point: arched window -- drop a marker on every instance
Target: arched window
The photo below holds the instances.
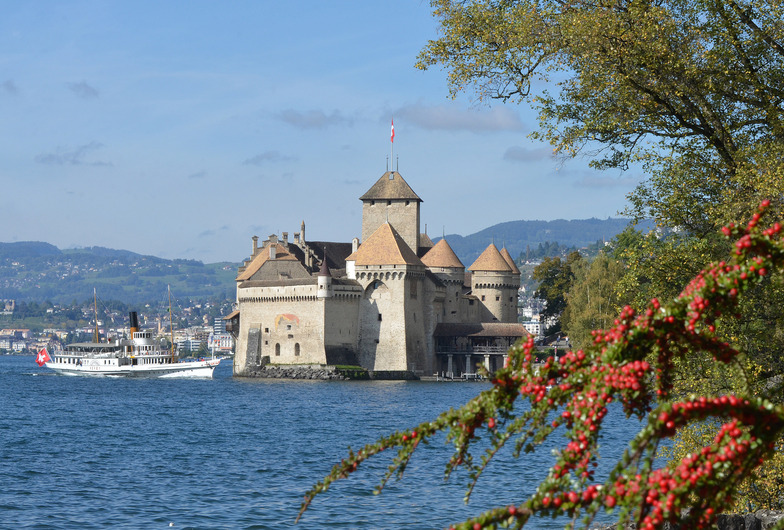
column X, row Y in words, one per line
column 296, row 349
column 277, row 349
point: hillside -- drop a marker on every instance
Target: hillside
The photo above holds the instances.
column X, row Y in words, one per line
column 516, row 236
column 40, row 272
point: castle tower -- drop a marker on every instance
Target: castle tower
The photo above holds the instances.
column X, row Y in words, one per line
column 495, row 284
column 392, row 319
column 324, row 281
column 444, row 263
column 512, row 299
column 391, row 200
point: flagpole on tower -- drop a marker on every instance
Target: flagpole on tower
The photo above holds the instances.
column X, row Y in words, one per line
column 392, row 140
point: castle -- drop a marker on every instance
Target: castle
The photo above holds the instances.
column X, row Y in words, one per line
column 392, row 302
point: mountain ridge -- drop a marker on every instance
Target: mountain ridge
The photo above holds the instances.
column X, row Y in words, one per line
column 38, row 271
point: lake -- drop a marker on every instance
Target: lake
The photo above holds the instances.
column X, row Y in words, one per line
column 233, row 453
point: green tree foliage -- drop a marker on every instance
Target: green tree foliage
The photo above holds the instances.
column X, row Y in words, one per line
column 555, row 277
column 593, row 301
column 635, row 362
column 691, row 90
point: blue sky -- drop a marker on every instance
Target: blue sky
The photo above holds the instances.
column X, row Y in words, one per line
column 182, row 129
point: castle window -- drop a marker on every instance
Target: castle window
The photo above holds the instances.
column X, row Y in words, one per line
column 408, row 202
column 266, row 330
column 389, row 203
column 296, row 349
column 277, row 349
column 483, row 298
column 372, row 203
column 379, row 317
column 497, row 298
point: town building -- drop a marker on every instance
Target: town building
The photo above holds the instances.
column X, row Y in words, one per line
column 392, row 302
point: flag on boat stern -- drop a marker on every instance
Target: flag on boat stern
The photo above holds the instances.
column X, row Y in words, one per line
column 43, row 357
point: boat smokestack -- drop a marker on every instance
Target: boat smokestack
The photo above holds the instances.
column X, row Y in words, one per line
column 134, row 322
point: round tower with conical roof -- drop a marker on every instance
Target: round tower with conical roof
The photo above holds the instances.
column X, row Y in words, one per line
column 324, row 280
column 495, row 283
column 442, row 261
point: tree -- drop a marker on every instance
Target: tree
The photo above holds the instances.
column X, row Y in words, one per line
column 593, row 301
column 691, row 89
column 634, row 362
column 555, row 278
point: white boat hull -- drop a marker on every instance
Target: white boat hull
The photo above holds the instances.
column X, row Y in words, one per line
column 184, row 369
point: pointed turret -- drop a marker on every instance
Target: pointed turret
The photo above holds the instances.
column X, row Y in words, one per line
column 510, row 261
column 324, row 280
column 495, row 281
column 490, row 260
column 442, row 256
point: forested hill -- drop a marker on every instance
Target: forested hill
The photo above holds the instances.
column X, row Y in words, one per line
column 38, row 272
column 517, row 236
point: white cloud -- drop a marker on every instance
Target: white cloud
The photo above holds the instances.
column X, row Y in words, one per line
column 74, row 157
column 313, row 119
column 522, row 154
column 594, row 180
column 83, row 90
column 9, row 87
column 443, row 117
column 268, row 156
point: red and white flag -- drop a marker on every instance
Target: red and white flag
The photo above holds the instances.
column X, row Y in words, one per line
column 43, row 357
column 393, row 131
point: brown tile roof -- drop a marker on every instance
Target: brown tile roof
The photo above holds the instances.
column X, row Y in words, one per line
column 442, row 255
column 509, row 261
column 490, row 260
column 261, row 257
column 480, row 329
column 390, row 186
column 385, row 247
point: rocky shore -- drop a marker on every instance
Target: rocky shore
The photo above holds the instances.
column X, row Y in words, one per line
column 326, row 373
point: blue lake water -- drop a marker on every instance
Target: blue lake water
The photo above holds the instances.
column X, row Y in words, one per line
column 229, row 453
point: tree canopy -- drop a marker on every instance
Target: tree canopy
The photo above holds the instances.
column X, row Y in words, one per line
column 691, row 89
column 555, row 277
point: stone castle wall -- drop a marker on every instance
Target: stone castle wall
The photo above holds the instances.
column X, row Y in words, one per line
column 403, row 215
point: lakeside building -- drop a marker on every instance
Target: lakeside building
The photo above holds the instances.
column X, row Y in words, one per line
column 391, row 302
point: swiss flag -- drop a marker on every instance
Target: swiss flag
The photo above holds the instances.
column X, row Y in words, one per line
column 43, row 357
column 393, row 131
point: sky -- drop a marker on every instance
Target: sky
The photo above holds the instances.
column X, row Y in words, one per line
column 181, row 129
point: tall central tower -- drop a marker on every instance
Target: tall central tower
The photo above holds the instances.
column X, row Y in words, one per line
column 391, row 200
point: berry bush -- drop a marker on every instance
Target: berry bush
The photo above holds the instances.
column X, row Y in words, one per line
column 633, row 364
